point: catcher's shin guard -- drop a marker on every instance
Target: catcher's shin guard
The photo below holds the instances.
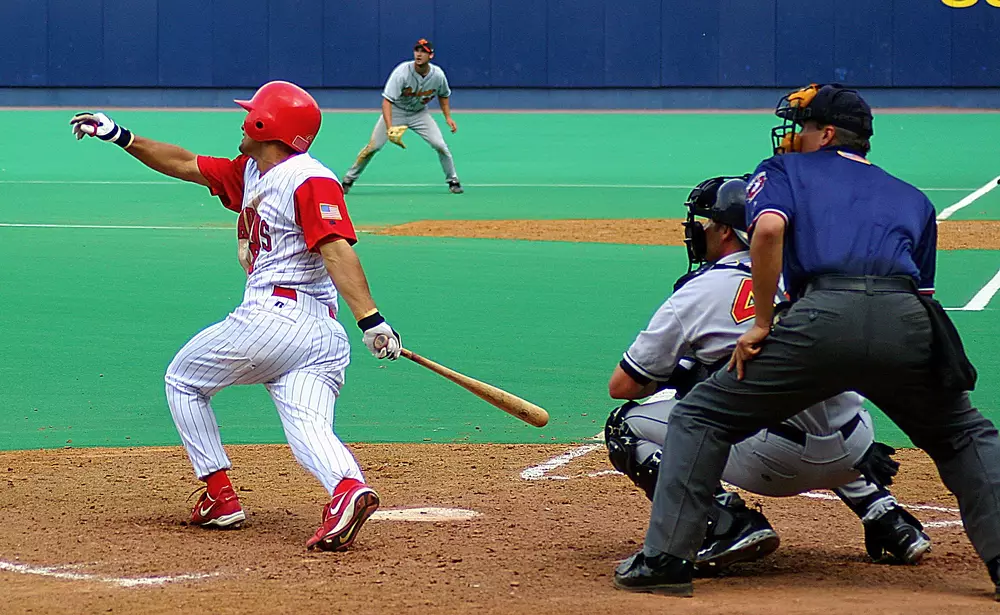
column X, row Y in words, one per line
column 621, row 443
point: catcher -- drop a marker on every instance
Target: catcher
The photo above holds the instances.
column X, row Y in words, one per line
column 827, row 446
column 410, row 86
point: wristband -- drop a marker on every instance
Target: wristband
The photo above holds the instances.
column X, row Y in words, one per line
column 372, row 320
column 121, row 137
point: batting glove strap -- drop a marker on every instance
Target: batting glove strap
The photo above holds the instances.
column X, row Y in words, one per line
column 120, row 136
column 372, row 320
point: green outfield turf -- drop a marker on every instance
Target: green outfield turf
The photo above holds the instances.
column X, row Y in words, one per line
column 92, row 316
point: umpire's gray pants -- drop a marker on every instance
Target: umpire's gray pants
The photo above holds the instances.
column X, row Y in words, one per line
column 419, row 122
column 829, row 342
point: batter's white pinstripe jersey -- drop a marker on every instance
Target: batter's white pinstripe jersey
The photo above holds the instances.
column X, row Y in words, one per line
column 284, row 213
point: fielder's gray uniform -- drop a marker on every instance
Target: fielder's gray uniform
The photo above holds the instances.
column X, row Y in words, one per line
column 702, row 320
column 409, row 93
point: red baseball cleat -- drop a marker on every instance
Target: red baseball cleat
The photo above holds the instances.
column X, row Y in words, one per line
column 222, row 512
column 353, row 502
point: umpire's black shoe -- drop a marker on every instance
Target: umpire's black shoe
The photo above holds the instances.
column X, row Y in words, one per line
column 455, row 187
column 735, row 534
column 994, row 568
column 660, row 574
column 898, row 535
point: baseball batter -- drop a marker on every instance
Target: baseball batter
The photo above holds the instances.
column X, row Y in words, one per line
column 296, row 246
column 692, row 334
column 410, row 86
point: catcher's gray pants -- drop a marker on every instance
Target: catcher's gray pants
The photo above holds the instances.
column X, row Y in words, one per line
column 419, row 122
column 877, row 344
column 768, row 464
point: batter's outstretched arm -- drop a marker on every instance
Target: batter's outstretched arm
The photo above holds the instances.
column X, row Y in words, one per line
column 348, row 276
column 163, row 157
column 168, row 159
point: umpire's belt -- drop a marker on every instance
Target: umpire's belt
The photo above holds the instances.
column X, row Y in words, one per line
column 798, row 436
column 870, row 284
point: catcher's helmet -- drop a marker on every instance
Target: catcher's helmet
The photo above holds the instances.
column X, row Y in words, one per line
column 282, row 111
column 722, row 199
column 827, row 104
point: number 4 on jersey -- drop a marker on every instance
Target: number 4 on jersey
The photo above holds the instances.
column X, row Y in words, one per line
column 743, row 305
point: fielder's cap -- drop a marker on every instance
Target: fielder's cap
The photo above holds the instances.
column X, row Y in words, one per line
column 424, row 45
column 833, row 104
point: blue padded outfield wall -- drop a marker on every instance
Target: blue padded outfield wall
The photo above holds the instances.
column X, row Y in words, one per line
column 501, row 43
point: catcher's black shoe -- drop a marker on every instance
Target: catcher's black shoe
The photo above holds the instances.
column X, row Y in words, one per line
column 346, row 183
column 660, row 574
column 455, row 187
column 735, row 534
column 896, row 535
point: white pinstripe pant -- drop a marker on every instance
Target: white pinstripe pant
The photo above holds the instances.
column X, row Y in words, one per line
column 291, row 347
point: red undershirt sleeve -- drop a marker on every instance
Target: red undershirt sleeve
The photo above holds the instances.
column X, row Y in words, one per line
column 225, row 178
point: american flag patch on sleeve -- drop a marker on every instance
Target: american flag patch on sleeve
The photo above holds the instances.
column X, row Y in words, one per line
column 329, row 212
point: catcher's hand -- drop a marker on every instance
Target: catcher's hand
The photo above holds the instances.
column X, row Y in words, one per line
column 396, row 135
column 877, row 464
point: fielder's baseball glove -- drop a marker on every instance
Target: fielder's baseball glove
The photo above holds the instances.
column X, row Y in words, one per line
column 396, row 135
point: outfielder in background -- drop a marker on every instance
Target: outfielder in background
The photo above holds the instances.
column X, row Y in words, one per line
column 284, row 334
column 410, row 86
column 693, row 334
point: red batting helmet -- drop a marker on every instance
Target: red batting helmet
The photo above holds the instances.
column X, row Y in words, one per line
column 282, row 111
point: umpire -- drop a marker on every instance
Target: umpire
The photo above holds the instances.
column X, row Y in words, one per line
column 857, row 247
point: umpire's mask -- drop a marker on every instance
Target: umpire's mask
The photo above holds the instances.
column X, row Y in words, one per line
column 722, row 199
column 831, row 104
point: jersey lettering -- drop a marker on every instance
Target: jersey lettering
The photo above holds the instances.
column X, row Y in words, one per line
column 259, row 234
column 743, row 304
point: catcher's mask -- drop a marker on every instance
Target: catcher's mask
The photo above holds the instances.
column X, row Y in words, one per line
column 722, row 199
column 829, row 104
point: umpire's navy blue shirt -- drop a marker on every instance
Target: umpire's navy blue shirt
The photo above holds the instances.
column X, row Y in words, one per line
column 844, row 216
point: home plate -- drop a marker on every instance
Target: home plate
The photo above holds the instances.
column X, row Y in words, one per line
column 425, row 514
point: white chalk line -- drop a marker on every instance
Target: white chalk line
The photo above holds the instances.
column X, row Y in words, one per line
column 61, row 572
column 540, row 472
column 985, row 294
column 968, row 199
column 90, row 182
column 982, row 298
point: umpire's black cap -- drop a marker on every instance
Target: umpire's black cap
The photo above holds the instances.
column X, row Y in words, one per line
column 832, row 104
column 424, row 45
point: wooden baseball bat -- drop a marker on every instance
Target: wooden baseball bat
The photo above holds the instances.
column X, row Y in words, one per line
column 508, row 402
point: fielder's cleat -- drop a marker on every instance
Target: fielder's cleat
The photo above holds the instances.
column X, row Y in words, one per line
column 897, row 534
column 221, row 512
column 455, row 187
column 346, row 184
column 735, row 534
column 353, row 502
column 661, row 574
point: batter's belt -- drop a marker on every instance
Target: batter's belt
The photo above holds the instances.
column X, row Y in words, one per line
column 307, row 302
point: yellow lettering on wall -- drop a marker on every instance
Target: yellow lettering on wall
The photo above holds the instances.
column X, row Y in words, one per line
column 964, row 4
column 995, row 3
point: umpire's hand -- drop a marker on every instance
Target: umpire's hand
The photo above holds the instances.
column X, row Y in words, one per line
column 747, row 348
